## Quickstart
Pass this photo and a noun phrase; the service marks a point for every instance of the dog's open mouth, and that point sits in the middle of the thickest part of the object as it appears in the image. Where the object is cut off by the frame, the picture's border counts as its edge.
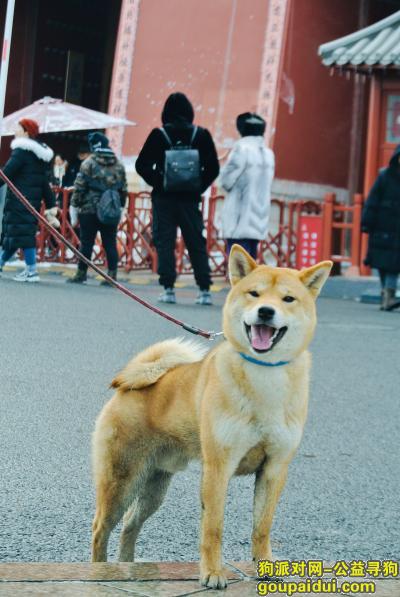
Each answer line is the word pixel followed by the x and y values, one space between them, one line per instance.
pixel 264 337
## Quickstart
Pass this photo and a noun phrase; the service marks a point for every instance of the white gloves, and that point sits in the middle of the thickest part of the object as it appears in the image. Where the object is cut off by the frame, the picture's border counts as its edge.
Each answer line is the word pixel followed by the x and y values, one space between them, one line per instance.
pixel 51 217
pixel 124 213
pixel 73 214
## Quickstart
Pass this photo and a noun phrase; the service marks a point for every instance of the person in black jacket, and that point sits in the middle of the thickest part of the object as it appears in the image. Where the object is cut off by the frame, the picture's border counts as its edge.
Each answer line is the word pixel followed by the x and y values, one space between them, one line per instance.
pixel 74 167
pixel 381 219
pixel 28 169
pixel 173 209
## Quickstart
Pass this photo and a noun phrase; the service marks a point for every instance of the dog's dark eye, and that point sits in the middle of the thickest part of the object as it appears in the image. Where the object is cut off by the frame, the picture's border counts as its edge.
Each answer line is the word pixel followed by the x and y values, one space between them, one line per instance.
pixel 288 299
pixel 253 293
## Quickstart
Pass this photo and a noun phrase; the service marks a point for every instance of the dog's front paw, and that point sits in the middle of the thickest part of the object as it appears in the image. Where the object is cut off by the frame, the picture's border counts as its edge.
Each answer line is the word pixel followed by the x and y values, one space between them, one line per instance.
pixel 215 579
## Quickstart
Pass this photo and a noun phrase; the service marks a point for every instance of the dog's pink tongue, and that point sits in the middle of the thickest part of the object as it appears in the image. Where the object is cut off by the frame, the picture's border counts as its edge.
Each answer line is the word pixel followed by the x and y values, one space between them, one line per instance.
pixel 261 337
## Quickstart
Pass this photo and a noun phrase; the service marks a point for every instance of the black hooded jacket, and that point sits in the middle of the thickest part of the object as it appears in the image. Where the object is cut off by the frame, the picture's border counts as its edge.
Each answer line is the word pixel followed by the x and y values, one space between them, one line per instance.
pixel 28 169
pixel 381 218
pixel 177 118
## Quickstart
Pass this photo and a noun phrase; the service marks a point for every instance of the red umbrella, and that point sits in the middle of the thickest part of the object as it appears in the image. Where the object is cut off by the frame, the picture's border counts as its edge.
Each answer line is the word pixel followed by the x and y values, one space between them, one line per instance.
pixel 54 116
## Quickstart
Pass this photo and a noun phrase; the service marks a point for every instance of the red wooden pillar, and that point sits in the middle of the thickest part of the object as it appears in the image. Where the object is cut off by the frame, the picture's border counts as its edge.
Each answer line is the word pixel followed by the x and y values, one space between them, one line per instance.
pixel 354 269
pixel 130 215
pixel 371 159
pixel 327 216
pixel 272 63
pixel 64 220
pixel 122 69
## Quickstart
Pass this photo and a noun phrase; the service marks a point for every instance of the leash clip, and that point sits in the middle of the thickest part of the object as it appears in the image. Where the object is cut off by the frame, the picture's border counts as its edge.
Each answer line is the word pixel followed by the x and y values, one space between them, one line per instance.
pixel 214 335
pixel 198 332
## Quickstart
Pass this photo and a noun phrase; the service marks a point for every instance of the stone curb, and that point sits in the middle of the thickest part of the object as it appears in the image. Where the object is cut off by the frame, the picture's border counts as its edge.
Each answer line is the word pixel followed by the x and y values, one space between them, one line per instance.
pixel 153 579
pixel 362 289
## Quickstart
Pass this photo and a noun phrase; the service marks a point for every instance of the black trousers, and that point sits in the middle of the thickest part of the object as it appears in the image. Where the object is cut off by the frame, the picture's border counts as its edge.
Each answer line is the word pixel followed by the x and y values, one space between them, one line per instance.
pixel 89 226
pixel 168 214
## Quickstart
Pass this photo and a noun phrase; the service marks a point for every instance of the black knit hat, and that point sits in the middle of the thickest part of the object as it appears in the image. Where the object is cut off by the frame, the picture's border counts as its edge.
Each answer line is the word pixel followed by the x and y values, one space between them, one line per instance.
pixel 250 124
pixel 83 147
pixel 177 110
pixel 394 160
pixel 97 142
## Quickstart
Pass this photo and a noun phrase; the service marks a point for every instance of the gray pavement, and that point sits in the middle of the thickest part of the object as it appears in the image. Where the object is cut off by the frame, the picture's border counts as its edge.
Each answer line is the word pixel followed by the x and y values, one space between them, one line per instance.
pixel 60 347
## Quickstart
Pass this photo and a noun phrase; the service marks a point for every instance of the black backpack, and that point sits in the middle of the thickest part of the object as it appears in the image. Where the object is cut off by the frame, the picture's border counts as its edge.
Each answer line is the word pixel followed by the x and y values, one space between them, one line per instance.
pixel 182 172
pixel 109 206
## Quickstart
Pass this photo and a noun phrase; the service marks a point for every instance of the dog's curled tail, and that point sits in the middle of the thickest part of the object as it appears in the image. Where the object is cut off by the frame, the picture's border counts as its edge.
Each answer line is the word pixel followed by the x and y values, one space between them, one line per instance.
pixel 148 366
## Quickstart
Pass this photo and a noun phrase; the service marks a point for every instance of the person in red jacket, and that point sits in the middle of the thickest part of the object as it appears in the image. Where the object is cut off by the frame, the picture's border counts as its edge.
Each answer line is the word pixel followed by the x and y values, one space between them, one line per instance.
pixel 28 169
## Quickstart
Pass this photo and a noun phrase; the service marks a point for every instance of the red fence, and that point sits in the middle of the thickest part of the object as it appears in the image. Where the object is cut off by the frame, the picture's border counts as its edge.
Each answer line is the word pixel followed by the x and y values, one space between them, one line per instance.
pixel 342 232
pixel 136 249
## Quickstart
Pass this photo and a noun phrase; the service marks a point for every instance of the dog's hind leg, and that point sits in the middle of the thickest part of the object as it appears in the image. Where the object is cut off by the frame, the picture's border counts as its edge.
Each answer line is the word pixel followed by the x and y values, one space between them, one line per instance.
pixel 145 504
pixel 110 508
pixel 116 486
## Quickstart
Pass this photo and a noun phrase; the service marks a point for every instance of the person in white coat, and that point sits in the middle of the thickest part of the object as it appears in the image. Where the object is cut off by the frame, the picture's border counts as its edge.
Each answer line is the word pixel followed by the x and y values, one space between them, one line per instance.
pixel 247 178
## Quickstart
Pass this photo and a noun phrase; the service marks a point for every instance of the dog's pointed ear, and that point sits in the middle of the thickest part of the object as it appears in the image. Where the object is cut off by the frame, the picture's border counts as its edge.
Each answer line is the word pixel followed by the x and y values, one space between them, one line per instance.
pixel 240 264
pixel 315 277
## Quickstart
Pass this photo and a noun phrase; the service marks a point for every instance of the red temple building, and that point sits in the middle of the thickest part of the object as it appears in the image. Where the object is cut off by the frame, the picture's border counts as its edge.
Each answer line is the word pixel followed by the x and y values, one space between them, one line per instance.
pixel 332 109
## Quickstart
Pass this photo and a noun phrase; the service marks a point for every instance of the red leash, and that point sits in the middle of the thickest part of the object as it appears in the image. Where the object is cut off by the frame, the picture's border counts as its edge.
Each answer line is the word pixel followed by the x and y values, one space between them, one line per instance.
pixel 210 335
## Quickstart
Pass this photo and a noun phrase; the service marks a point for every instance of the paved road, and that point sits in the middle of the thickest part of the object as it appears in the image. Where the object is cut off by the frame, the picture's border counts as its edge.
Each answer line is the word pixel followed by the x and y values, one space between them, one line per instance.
pixel 60 347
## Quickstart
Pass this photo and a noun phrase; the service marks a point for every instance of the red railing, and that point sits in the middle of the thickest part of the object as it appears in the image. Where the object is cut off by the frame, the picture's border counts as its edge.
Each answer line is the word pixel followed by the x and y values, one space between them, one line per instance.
pixel 341 234
pixel 342 231
pixel 50 249
pixel 280 246
pixel 278 249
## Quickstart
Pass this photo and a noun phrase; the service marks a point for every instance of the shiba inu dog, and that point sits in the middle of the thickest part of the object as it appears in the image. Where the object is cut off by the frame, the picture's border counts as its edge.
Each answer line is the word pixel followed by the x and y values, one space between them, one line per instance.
pixel 240 408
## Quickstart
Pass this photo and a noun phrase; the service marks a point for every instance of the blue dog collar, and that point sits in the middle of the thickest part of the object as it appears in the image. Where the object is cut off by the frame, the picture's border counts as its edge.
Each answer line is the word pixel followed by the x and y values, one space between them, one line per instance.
pixel 257 362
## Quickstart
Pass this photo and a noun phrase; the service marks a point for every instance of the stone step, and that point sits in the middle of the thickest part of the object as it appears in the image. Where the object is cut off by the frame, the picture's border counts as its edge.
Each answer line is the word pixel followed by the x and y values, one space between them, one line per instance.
pixel 153 579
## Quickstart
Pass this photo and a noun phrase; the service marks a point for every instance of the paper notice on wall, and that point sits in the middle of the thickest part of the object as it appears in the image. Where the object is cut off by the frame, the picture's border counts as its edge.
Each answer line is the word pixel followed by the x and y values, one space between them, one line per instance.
pixel 287 92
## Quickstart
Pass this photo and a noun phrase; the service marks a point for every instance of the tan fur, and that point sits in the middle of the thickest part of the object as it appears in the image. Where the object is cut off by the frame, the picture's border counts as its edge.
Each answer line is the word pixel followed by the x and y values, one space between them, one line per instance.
pixel 173 405
pixel 149 365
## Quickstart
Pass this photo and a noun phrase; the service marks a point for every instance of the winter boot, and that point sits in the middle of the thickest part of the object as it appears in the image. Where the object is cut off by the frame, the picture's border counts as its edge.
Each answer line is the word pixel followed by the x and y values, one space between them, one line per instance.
pixel 113 274
pixel 389 301
pixel 79 278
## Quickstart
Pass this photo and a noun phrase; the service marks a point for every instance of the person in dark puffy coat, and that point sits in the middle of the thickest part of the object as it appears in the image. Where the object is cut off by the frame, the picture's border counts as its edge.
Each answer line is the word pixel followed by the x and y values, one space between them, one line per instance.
pixel 381 220
pixel 173 209
pixel 28 169
pixel 101 170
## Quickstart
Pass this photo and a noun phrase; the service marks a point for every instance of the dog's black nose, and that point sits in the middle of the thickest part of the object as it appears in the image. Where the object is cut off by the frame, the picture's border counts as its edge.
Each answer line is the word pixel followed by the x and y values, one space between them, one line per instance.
pixel 266 313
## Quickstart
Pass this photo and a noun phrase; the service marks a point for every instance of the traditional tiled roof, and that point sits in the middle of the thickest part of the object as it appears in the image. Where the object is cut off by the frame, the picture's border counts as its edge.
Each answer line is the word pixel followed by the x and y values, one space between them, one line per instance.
pixel 375 46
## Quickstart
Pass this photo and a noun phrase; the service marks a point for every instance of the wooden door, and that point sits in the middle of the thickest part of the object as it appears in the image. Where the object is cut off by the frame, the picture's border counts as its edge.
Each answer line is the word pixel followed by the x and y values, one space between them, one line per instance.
pixel 382 137
pixel 389 135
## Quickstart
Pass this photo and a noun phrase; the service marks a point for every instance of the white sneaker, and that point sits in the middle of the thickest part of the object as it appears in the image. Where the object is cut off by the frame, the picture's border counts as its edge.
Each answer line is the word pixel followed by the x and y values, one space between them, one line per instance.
pixel 26 276
pixel 168 296
pixel 204 298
